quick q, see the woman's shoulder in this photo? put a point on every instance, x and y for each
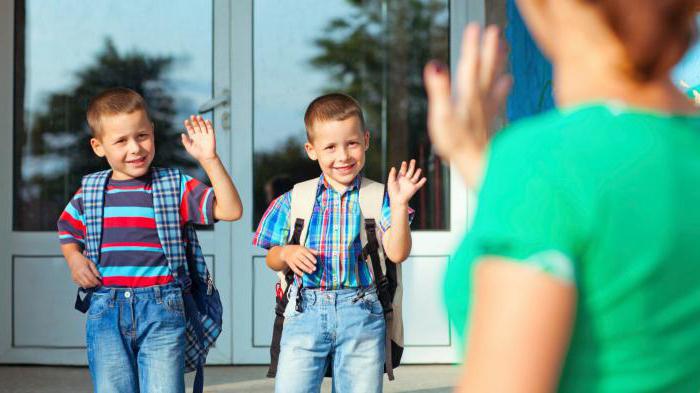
(592, 130)
(557, 126)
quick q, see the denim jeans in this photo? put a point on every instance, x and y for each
(136, 340)
(347, 325)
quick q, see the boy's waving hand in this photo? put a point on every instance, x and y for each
(200, 143)
(200, 140)
(403, 186)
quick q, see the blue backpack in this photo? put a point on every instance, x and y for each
(203, 309)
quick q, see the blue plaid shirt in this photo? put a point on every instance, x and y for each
(334, 231)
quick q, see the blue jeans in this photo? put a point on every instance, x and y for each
(347, 325)
(136, 339)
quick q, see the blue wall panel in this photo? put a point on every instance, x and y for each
(532, 73)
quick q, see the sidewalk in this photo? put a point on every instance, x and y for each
(219, 379)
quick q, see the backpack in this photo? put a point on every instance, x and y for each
(203, 309)
(386, 274)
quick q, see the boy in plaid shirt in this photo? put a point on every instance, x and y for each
(136, 320)
(341, 315)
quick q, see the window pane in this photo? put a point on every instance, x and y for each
(67, 52)
(372, 50)
(686, 73)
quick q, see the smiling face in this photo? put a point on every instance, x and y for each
(339, 147)
(126, 140)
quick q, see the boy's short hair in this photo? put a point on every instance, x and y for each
(112, 102)
(334, 106)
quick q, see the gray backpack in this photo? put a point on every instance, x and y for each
(387, 275)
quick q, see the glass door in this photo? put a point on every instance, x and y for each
(62, 54)
(285, 54)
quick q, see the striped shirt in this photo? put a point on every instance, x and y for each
(334, 231)
(131, 254)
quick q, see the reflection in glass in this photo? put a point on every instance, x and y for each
(372, 50)
(686, 75)
(66, 53)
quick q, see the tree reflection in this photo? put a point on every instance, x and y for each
(52, 150)
(376, 54)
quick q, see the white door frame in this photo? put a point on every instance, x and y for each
(245, 257)
(7, 24)
(23, 253)
(230, 243)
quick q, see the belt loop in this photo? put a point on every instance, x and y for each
(310, 297)
(156, 291)
(359, 295)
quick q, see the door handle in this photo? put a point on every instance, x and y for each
(215, 102)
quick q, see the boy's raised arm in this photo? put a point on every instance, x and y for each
(397, 239)
(200, 143)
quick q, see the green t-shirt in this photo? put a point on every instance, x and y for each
(608, 198)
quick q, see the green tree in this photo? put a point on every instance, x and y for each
(377, 54)
(61, 131)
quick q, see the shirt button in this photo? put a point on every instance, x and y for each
(335, 228)
(127, 294)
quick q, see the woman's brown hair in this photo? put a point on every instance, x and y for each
(656, 33)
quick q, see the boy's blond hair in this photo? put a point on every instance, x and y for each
(334, 106)
(113, 101)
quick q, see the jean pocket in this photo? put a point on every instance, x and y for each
(371, 304)
(99, 305)
(173, 303)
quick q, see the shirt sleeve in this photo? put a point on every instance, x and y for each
(273, 229)
(71, 222)
(385, 220)
(530, 205)
(196, 201)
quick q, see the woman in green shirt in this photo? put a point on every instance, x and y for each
(581, 271)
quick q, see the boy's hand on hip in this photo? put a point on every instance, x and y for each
(200, 140)
(300, 259)
(84, 272)
(402, 186)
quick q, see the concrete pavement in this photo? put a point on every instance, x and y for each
(219, 379)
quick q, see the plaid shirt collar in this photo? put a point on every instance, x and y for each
(324, 184)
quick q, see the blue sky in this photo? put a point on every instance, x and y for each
(284, 32)
(285, 82)
(64, 36)
(688, 69)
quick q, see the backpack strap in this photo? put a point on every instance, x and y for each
(303, 201)
(93, 186)
(189, 273)
(302, 206)
(166, 184)
(387, 276)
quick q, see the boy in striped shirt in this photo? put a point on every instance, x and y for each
(136, 324)
(333, 321)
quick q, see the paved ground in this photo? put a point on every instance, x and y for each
(219, 379)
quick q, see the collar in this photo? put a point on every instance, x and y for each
(324, 184)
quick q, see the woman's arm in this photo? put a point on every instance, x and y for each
(461, 122)
(519, 329)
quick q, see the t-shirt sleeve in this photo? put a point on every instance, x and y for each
(196, 201)
(385, 220)
(273, 229)
(529, 206)
(71, 222)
